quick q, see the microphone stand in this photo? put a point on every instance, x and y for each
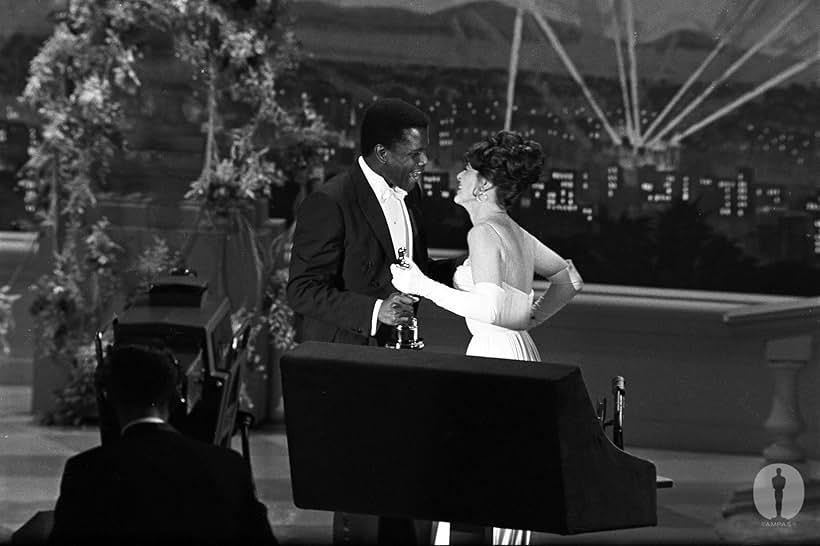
(617, 421)
(619, 393)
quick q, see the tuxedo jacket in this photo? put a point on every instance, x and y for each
(157, 486)
(340, 261)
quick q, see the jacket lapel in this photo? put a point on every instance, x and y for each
(412, 211)
(372, 210)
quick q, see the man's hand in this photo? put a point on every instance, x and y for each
(397, 309)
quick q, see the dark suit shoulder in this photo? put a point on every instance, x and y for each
(88, 458)
(89, 454)
(156, 440)
(344, 185)
(227, 455)
(332, 199)
(186, 444)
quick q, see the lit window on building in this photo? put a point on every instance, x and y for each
(668, 183)
(729, 188)
(612, 176)
(741, 197)
(537, 189)
(813, 203)
(817, 236)
(561, 196)
(562, 175)
(436, 183)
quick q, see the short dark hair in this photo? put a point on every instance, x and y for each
(386, 120)
(508, 160)
(140, 376)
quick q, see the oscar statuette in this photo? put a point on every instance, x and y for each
(405, 336)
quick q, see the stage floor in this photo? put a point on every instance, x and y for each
(32, 459)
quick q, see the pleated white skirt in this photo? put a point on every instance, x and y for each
(502, 343)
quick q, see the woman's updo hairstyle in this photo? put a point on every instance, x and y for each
(508, 160)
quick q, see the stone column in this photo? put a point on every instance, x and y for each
(786, 357)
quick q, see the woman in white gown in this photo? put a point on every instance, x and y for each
(493, 287)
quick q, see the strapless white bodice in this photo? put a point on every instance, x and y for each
(514, 312)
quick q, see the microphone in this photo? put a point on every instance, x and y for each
(619, 393)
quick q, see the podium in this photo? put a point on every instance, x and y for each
(476, 441)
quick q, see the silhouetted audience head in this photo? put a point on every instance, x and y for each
(141, 378)
(508, 160)
(386, 120)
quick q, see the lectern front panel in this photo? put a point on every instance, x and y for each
(447, 437)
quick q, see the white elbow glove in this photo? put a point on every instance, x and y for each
(410, 279)
(575, 277)
(482, 303)
(563, 287)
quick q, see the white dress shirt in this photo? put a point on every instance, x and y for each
(391, 200)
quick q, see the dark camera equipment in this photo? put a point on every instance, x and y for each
(176, 315)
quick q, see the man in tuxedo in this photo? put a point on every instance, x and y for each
(347, 233)
(350, 229)
(154, 485)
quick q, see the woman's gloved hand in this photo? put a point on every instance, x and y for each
(408, 278)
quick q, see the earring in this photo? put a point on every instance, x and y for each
(482, 196)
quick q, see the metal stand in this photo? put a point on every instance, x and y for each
(244, 421)
(617, 421)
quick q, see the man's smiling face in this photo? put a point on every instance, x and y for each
(406, 159)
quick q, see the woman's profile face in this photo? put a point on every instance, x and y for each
(468, 183)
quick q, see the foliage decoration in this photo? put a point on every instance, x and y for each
(69, 300)
(7, 299)
(154, 260)
(78, 84)
(77, 401)
(276, 315)
(238, 50)
(279, 315)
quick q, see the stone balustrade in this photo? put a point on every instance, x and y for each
(790, 332)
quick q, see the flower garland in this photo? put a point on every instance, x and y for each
(77, 84)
